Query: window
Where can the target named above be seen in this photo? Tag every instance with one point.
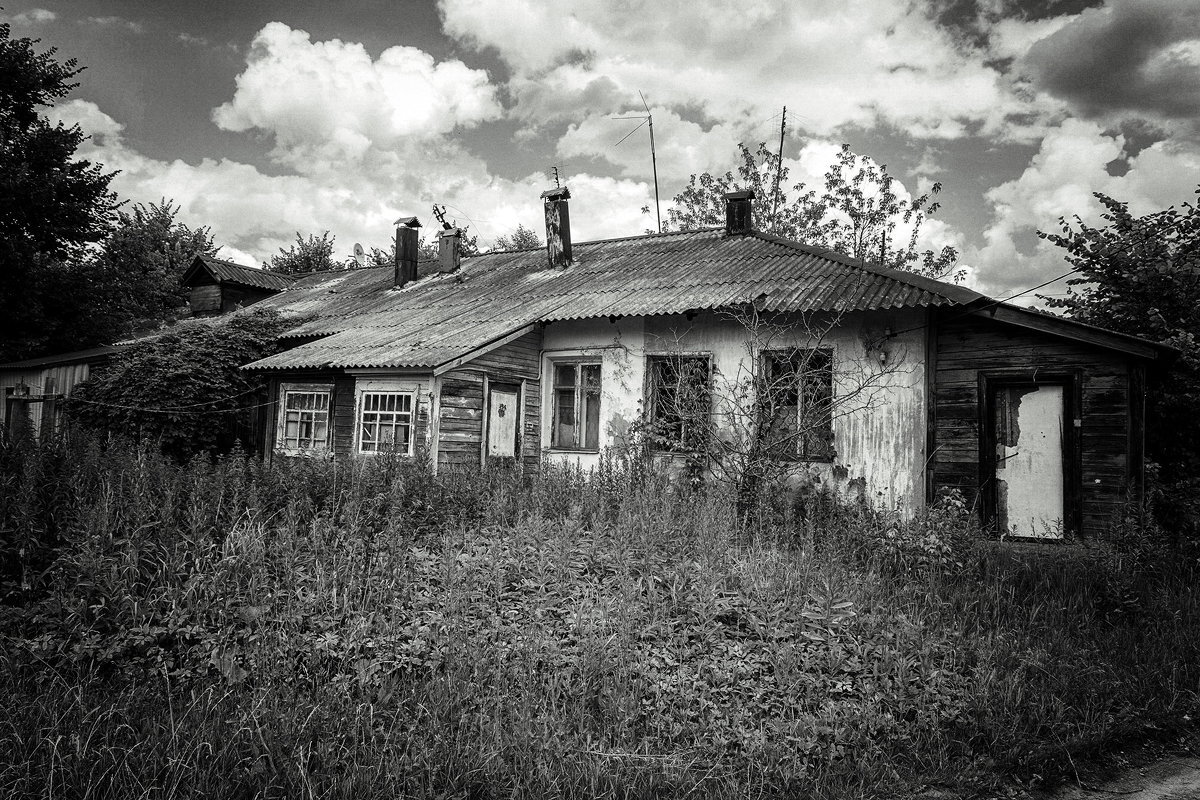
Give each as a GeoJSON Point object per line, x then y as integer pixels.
{"type": "Point", "coordinates": [576, 423]}
{"type": "Point", "coordinates": [679, 400]}
{"type": "Point", "coordinates": [797, 403]}
{"type": "Point", "coordinates": [304, 422]}
{"type": "Point", "coordinates": [385, 422]}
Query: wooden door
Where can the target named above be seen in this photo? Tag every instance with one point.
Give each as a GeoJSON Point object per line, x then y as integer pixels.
{"type": "Point", "coordinates": [502, 424]}
{"type": "Point", "coordinates": [1030, 462]}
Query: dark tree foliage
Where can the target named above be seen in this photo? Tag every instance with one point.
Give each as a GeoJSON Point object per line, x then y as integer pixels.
{"type": "Point", "coordinates": [141, 263]}
{"type": "Point", "coordinates": [306, 255]}
{"type": "Point", "coordinates": [183, 389]}
{"type": "Point", "coordinates": [856, 214]}
{"type": "Point", "coordinates": [1141, 275]}
{"type": "Point", "coordinates": [51, 206]}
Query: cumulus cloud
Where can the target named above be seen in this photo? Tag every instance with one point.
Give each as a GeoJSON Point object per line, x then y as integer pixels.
{"type": "Point", "coordinates": [1060, 182]}
{"type": "Point", "coordinates": [132, 26]}
{"type": "Point", "coordinates": [34, 16]}
{"type": "Point", "coordinates": [1131, 56]}
{"type": "Point", "coordinates": [331, 102]}
{"type": "Point", "coordinates": [837, 64]}
{"type": "Point", "coordinates": [253, 214]}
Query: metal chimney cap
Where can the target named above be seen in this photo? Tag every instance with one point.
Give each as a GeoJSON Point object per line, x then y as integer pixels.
{"type": "Point", "coordinates": [407, 222]}
{"type": "Point", "coordinates": [557, 193]}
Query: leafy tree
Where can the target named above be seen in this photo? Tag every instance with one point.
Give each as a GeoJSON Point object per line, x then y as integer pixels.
{"type": "Point", "coordinates": [306, 255]}
{"type": "Point", "coordinates": [51, 205]}
{"type": "Point", "coordinates": [1141, 275]}
{"type": "Point", "coordinates": [184, 389]}
{"type": "Point", "coordinates": [856, 214]}
{"type": "Point", "coordinates": [142, 261]}
{"type": "Point", "coordinates": [520, 239]}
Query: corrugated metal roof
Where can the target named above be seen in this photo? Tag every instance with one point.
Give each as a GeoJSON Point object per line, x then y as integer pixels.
{"type": "Point", "coordinates": [246, 276]}
{"type": "Point", "coordinates": [366, 322]}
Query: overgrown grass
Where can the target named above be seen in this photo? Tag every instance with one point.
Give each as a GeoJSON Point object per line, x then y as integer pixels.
{"type": "Point", "coordinates": [303, 629]}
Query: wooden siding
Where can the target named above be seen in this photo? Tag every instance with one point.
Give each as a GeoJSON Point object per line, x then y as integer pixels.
{"type": "Point", "coordinates": [531, 430]}
{"type": "Point", "coordinates": [462, 404]}
{"type": "Point", "coordinates": [63, 379]}
{"type": "Point", "coordinates": [460, 422]}
{"type": "Point", "coordinates": [966, 347]}
{"type": "Point", "coordinates": [205, 299]}
{"type": "Point", "coordinates": [515, 360]}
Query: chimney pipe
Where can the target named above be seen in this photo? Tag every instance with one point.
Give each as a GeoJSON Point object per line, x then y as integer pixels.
{"type": "Point", "coordinates": [739, 215]}
{"type": "Point", "coordinates": [448, 249]}
{"type": "Point", "coordinates": [558, 226]}
{"type": "Point", "coordinates": [407, 242]}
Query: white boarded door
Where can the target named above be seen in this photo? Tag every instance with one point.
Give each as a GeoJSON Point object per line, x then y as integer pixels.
{"type": "Point", "coordinates": [1029, 460]}
{"type": "Point", "coordinates": [502, 424]}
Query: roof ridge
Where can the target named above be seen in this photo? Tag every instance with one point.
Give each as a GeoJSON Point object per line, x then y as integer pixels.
{"type": "Point", "coordinates": [957, 294]}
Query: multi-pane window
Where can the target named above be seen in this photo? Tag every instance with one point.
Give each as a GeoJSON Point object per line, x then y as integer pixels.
{"type": "Point", "coordinates": [796, 403]}
{"type": "Point", "coordinates": [305, 421]}
{"type": "Point", "coordinates": [385, 422]}
{"type": "Point", "coordinates": [679, 402]}
{"type": "Point", "coordinates": [576, 423]}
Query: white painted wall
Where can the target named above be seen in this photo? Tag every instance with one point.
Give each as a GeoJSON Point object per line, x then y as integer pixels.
{"type": "Point", "coordinates": [879, 437]}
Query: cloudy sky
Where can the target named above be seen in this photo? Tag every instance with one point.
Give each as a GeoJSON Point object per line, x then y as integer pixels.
{"type": "Point", "coordinates": [262, 119]}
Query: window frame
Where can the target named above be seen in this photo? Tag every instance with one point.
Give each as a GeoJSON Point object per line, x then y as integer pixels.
{"type": "Point", "coordinates": [360, 409]}
{"type": "Point", "coordinates": [580, 392]}
{"type": "Point", "coordinates": [286, 390]}
{"type": "Point", "coordinates": [806, 448]}
{"type": "Point", "coordinates": [651, 395]}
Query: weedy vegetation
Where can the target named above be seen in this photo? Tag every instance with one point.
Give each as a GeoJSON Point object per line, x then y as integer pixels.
{"type": "Point", "coordinates": [234, 628]}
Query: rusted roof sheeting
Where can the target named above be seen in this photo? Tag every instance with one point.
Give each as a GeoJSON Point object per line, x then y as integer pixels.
{"type": "Point", "coordinates": [368, 323]}
{"type": "Point", "coordinates": [246, 276]}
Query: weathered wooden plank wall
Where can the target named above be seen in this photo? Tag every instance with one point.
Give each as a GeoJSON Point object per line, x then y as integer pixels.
{"type": "Point", "coordinates": [967, 346]}
{"type": "Point", "coordinates": [462, 402]}
{"type": "Point", "coordinates": [460, 427]}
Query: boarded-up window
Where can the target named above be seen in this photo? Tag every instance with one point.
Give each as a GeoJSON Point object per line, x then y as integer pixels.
{"type": "Point", "coordinates": [796, 404]}
{"type": "Point", "coordinates": [304, 421]}
{"type": "Point", "coordinates": [576, 422]}
{"type": "Point", "coordinates": [679, 401]}
{"type": "Point", "coordinates": [385, 422]}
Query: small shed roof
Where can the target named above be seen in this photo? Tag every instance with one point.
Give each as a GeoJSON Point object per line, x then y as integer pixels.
{"type": "Point", "coordinates": [365, 322]}
{"type": "Point", "coordinates": [227, 272]}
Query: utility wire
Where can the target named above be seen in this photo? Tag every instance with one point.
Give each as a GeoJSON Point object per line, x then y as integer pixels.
{"type": "Point", "coordinates": [170, 410]}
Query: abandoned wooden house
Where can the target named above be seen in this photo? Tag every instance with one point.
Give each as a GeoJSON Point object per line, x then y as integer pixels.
{"type": "Point", "coordinates": [560, 352]}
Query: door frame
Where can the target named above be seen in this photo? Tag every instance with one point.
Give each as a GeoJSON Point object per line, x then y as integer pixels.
{"type": "Point", "coordinates": [1072, 383]}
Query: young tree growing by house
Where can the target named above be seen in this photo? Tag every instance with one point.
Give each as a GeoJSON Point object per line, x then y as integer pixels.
{"type": "Point", "coordinates": [1141, 275]}
{"type": "Point", "coordinates": [52, 205]}
{"type": "Point", "coordinates": [184, 389]}
{"type": "Point", "coordinates": [860, 212]}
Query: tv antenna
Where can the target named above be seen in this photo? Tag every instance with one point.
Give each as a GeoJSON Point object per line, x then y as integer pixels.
{"type": "Point", "coordinates": [648, 120]}
{"type": "Point", "coordinates": [360, 257]}
{"type": "Point", "coordinates": [557, 181]}
{"type": "Point", "coordinates": [440, 213]}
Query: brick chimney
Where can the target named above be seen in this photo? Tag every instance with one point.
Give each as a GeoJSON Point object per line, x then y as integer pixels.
{"type": "Point", "coordinates": [449, 251]}
{"type": "Point", "coordinates": [558, 226]}
{"type": "Point", "coordinates": [407, 241]}
{"type": "Point", "coordinates": [739, 214]}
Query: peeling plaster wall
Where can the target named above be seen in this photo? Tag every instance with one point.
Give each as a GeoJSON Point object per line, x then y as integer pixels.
{"type": "Point", "coordinates": [879, 434]}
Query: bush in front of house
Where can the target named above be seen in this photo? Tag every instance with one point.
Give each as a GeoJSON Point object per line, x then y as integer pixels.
{"type": "Point", "coordinates": [225, 626]}
{"type": "Point", "coordinates": [183, 389]}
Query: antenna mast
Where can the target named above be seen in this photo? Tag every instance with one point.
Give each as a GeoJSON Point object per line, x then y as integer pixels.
{"type": "Point", "coordinates": [648, 120]}
{"type": "Point", "coordinates": [778, 171]}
